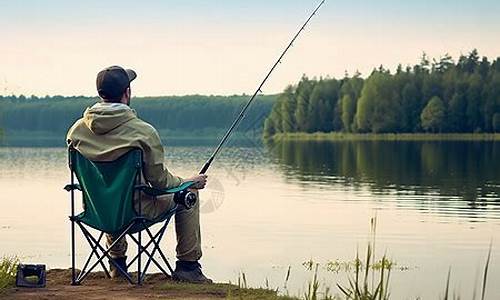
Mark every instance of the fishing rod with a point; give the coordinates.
(259, 90)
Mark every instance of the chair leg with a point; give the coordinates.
(146, 246)
(157, 246)
(149, 255)
(158, 235)
(105, 253)
(72, 219)
(139, 259)
(94, 251)
(73, 254)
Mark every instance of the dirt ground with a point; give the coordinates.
(97, 286)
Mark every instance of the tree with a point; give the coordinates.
(350, 92)
(288, 107)
(348, 111)
(315, 108)
(379, 108)
(433, 115)
(410, 102)
(303, 92)
(474, 103)
(496, 122)
(456, 112)
(323, 101)
(269, 129)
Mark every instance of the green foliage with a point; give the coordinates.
(348, 109)
(433, 115)
(8, 267)
(378, 106)
(288, 106)
(469, 93)
(187, 113)
(496, 122)
(410, 102)
(303, 91)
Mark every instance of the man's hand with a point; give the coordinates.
(199, 181)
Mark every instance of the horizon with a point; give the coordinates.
(194, 47)
(244, 94)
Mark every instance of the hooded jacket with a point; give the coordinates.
(109, 130)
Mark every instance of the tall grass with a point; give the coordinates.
(313, 286)
(364, 285)
(485, 274)
(474, 293)
(8, 267)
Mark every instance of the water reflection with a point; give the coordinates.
(447, 171)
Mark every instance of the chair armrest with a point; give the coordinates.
(157, 192)
(72, 187)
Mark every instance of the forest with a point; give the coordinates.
(195, 115)
(436, 96)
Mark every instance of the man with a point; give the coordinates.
(111, 128)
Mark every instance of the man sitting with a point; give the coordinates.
(110, 129)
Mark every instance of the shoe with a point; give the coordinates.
(122, 263)
(189, 271)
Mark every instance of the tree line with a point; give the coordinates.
(196, 113)
(439, 96)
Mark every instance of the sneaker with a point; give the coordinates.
(189, 271)
(122, 263)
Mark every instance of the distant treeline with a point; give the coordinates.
(196, 115)
(433, 96)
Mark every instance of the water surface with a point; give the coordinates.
(274, 206)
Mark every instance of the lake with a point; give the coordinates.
(277, 205)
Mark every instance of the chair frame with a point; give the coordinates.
(96, 247)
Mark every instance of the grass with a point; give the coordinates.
(366, 285)
(474, 293)
(485, 274)
(340, 136)
(226, 290)
(8, 267)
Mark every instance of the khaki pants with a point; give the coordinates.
(187, 227)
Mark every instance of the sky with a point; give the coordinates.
(225, 47)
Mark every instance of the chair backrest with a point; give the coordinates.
(108, 189)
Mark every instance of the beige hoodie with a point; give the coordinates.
(109, 130)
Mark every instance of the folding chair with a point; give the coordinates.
(108, 191)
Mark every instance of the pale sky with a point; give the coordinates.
(226, 46)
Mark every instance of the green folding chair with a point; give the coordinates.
(108, 192)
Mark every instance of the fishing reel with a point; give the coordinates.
(186, 198)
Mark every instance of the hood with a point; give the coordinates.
(104, 117)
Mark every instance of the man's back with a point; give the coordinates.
(109, 130)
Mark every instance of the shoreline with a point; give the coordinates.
(156, 286)
(339, 136)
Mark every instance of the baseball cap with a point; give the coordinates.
(113, 81)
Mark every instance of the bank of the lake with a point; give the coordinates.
(97, 286)
(340, 136)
